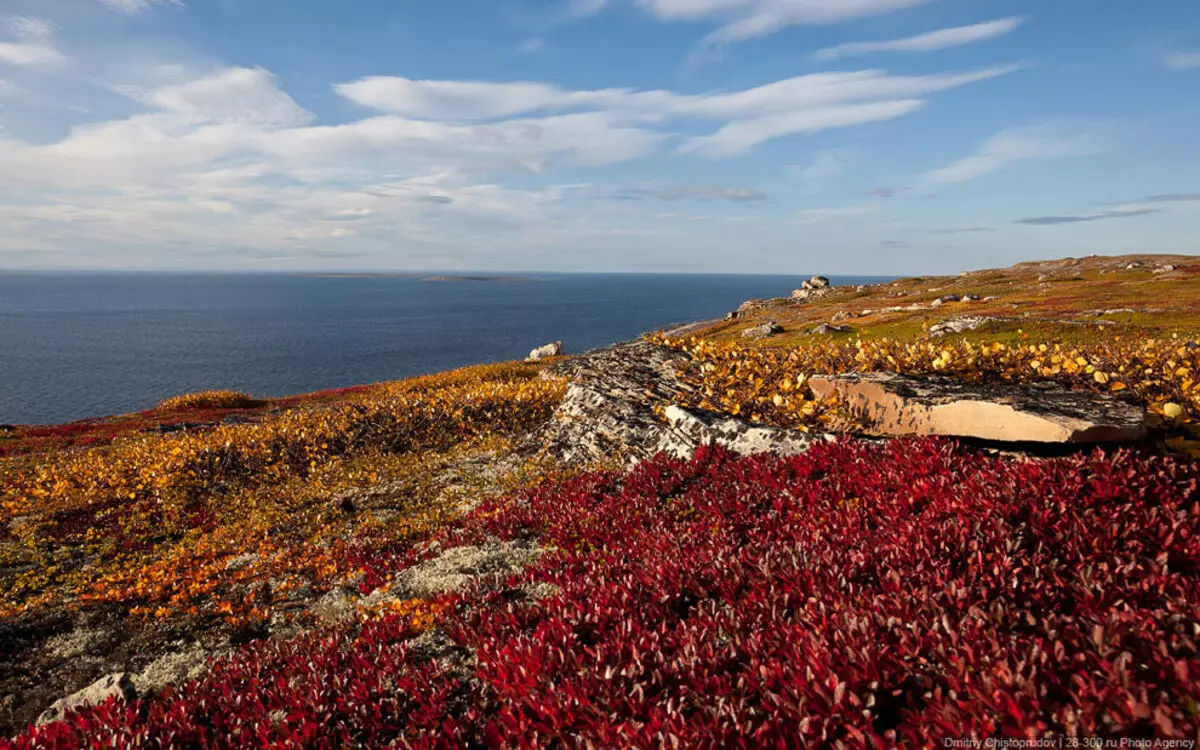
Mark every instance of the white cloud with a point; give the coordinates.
(133, 7)
(577, 9)
(477, 100)
(746, 19)
(814, 215)
(228, 159)
(531, 45)
(928, 42)
(825, 165)
(34, 44)
(739, 137)
(1047, 141)
(1182, 60)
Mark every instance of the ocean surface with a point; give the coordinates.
(83, 345)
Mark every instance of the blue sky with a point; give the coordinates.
(773, 136)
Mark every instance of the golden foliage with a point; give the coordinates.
(209, 400)
(236, 519)
(768, 384)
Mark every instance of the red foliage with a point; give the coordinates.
(870, 595)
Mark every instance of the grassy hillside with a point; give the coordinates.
(404, 562)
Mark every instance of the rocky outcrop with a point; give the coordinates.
(620, 407)
(826, 328)
(893, 405)
(691, 429)
(553, 349)
(116, 685)
(770, 328)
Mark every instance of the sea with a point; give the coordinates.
(80, 345)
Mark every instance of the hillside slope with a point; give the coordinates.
(497, 555)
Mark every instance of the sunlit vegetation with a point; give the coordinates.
(210, 400)
(231, 519)
(856, 595)
(767, 384)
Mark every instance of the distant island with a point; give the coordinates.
(415, 276)
(476, 278)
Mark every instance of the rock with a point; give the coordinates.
(1132, 266)
(689, 430)
(612, 406)
(990, 299)
(171, 669)
(731, 315)
(860, 288)
(839, 317)
(770, 328)
(892, 404)
(1161, 269)
(751, 304)
(958, 325)
(818, 282)
(115, 685)
(970, 298)
(454, 568)
(831, 328)
(944, 299)
(608, 411)
(554, 349)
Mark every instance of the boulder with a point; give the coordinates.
(751, 304)
(613, 405)
(891, 404)
(770, 328)
(818, 282)
(959, 324)
(689, 430)
(115, 685)
(554, 349)
(831, 328)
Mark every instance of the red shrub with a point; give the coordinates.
(870, 595)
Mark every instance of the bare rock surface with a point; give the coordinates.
(894, 404)
(118, 684)
(770, 328)
(613, 405)
(691, 429)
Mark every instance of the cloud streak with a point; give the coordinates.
(32, 44)
(747, 19)
(1182, 60)
(1048, 141)
(1115, 213)
(134, 7)
(928, 42)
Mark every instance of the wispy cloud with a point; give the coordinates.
(1182, 60)
(804, 104)
(1170, 198)
(824, 166)
(577, 9)
(1116, 213)
(928, 42)
(531, 45)
(747, 19)
(134, 7)
(32, 43)
(694, 192)
(814, 215)
(961, 230)
(1047, 141)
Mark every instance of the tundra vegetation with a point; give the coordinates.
(864, 592)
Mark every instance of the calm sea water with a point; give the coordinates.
(82, 345)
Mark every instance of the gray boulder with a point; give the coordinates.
(770, 328)
(115, 685)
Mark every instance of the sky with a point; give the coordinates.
(682, 136)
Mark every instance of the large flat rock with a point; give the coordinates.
(891, 404)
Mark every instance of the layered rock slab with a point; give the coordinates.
(895, 405)
(620, 407)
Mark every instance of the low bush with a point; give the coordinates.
(856, 595)
(210, 400)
